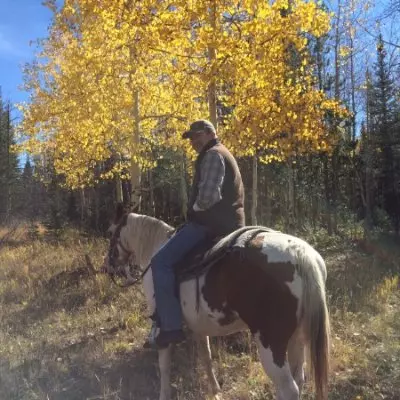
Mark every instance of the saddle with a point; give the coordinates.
(207, 253)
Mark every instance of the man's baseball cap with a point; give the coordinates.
(197, 127)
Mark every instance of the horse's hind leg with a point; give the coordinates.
(203, 344)
(286, 387)
(296, 358)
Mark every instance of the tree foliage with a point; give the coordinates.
(8, 161)
(103, 61)
(384, 133)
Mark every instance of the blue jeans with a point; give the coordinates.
(162, 264)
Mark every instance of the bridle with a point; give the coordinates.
(130, 255)
(117, 270)
(113, 269)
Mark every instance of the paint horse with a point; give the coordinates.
(266, 281)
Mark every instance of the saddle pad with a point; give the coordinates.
(195, 265)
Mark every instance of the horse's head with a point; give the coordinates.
(120, 259)
(134, 240)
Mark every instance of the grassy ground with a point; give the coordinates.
(66, 334)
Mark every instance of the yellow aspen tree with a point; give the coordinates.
(101, 59)
(276, 108)
(98, 59)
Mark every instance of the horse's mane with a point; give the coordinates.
(145, 236)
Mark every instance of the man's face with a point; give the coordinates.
(199, 140)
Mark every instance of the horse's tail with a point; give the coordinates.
(315, 320)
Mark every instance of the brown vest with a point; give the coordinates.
(228, 214)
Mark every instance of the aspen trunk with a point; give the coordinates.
(135, 168)
(335, 189)
(83, 206)
(151, 193)
(328, 216)
(212, 87)
(96, 209)
(183, 188)
(368, 171)
(290, 219)
(118, 190)
(337, 48)
(268, 197)
(254, 191)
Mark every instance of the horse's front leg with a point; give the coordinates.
(205, 355)
(164, 362)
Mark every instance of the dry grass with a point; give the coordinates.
(68, 335)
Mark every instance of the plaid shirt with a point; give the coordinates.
(212, 173)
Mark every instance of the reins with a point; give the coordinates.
(136, 280)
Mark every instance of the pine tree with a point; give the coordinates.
(8, 161)
(27, 186)
(383, 113)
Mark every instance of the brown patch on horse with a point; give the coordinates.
(283, 271)
(245, 284)
(257, 241)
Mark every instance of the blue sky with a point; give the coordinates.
(21, 21)
(25, 21)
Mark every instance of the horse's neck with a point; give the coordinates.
(147, 236)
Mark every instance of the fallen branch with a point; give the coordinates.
(90, 266)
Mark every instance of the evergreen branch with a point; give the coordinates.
(376, 37)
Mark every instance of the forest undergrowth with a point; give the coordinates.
(67, 333)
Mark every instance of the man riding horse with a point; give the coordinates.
(216, 208)
(266, 281)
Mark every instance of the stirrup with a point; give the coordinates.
(150, 342)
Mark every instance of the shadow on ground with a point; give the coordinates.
(84, 372)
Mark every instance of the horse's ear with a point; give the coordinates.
(119, 212)
(134, 207)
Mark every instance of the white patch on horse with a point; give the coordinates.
(286, 387)
(205, 320)
(146, 234)
(276, 245)
(296, 287)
